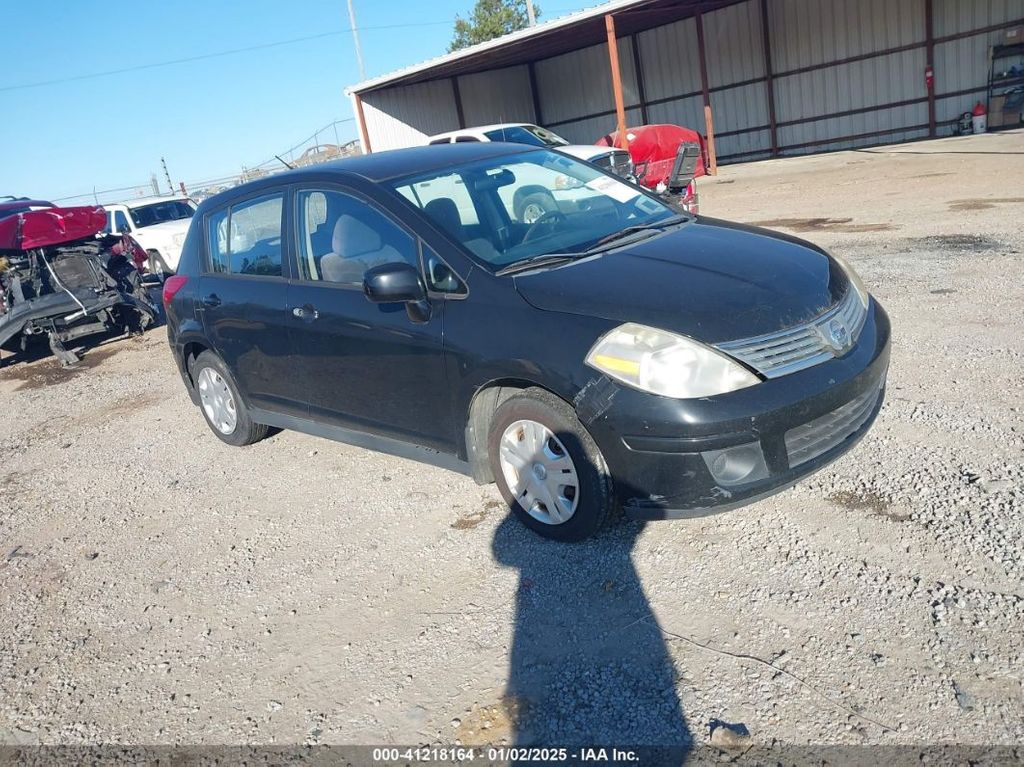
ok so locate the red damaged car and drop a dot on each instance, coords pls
(60, 279)
(667, 159)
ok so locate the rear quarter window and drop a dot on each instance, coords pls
(245, 239)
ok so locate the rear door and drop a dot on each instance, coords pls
(362, 365)
(242, 298)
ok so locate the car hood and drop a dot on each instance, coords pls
(708, 279)
(164, 230)
(585, 152)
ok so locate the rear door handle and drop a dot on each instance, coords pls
(211, 300)
(306, 313)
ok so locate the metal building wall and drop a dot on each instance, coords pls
(734, 51)
(812, 33)
(406, 115)
(670, 62)
(962, 65)
(575, 92)
(498, 96)
(844, 73)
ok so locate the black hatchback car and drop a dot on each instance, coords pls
(611, 354)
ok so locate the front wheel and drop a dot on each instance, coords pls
(548, 468)
(158, 266)
(225, 412)
(535, 206)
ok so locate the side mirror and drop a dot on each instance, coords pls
(394, 283)
(398, 283)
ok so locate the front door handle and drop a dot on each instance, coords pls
(211, 300)
(306, 313)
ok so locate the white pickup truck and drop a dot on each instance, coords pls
(158, 224)
(533, 202)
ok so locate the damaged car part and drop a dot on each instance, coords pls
(58, 280)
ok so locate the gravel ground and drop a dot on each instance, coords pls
(157, 586)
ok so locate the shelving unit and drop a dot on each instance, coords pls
(997, 85)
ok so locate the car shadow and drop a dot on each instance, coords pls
(588, 664)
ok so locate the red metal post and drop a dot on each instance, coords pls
(613, 60)
(364, 135)
(709, 123)
(929, 31)
(769, 82)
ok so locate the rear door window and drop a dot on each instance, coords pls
(245, 239)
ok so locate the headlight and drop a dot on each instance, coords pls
(855, 281)
(664, 363)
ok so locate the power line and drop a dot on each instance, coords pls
(206, 56)
(217, 54)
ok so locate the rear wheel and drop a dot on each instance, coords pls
(223, 409)
(548, 467)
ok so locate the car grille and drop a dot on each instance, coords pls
(806, 442)
(830, 335)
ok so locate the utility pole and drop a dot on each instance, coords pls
(355, 39)
(154, 184)
(530, 15)
(167, 175)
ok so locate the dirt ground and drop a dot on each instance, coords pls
(157, 586)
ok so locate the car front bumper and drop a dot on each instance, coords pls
(672, 459)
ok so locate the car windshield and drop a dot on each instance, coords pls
(526, 134)
(512, 208)
(159, 212)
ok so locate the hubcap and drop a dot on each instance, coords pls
(539, 472)
(218, 404)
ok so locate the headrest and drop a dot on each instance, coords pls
(353, 238)
(445, 213)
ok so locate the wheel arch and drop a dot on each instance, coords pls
(482, 405)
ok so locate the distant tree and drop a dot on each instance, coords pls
(490, 19)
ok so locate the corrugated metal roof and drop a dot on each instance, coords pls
(544, 40)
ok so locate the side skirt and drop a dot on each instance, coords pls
(362, 439)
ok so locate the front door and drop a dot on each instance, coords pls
(242, 297)
(364, 366)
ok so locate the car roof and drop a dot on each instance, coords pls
(136, 202)
(20, 203)
(380, 166)
(395, 163)
(479, 130)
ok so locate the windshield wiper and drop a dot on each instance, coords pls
(545, 259)
(606, 241)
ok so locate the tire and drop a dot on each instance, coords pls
(157, 265)
(535, 205)
(593, 503)
(209, 371)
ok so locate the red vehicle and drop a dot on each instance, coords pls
(667, 159)
(60, 278)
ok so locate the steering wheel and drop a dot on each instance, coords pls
(546, 219)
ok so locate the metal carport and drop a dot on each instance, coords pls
(780, 76)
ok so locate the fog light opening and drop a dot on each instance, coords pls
(737, 465)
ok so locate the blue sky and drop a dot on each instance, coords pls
(208, 118)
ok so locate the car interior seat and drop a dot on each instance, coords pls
(355, 247)
(445, 213)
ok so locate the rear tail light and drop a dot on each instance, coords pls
(171, 287)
